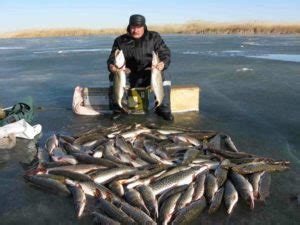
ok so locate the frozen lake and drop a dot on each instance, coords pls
(250, 89)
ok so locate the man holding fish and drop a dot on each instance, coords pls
(141, 57)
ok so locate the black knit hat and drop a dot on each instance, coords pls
(137, 20)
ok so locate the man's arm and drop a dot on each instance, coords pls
(111, 58)
(163, 51)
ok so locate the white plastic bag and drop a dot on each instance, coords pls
(20, 129)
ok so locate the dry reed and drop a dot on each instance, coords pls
(195, 27)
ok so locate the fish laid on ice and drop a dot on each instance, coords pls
(243, 187)
(79, 198)
(230, 196)
(145, 174)
(190, 213)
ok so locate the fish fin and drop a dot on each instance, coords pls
(41, 166)
(36, 171)
(97, 193)
(256, 194)
(133, 157)
(251, 203)
(194, 177)
(121, 182)
(109, 197)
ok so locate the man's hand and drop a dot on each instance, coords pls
(115, 69)
(160, 66)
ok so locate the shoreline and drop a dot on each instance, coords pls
(205, 28)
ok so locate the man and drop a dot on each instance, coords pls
(137, 45)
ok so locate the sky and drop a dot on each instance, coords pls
(96, 14)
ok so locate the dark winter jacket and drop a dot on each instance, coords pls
(138, 52)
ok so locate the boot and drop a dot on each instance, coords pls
(164, 112)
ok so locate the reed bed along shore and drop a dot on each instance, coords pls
(197, 27)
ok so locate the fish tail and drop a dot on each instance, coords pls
(251, 203)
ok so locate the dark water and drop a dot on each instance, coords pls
(250, 89)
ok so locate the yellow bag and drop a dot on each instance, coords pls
(138, 99)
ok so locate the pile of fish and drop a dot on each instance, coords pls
(144, 174)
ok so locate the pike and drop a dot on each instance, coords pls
(230, 154)
(254, 179)
(93, 189)
(186, 139)
(199, 186)
(145, 156)
(117, 188)
(168, 193)
(81, 168)
(138, 215)
(243, 187)
(86, 138)
(264, 186)
(189, 213)
(216, 201)
(135, 132)
(156, 80)
(119, 78)
(168, 208)
(211, 186)
(177, 179)
(58, 155)
(51, 143)
(124, 146)
(149, 198)
(221, 173)
(85, 158)
(70, 148)
(71, 174)
(110, 153)
(255, 167)
(114, 211)
(104, 176)
(190, 155)
(79, 198)
(134, 198)
(49, 184)
(186, 197)
(173, 171)
(66, 138)
(100, 218)
(43, 155)
(230, 144)
(230, 196)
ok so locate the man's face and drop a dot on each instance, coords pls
(137, 31)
